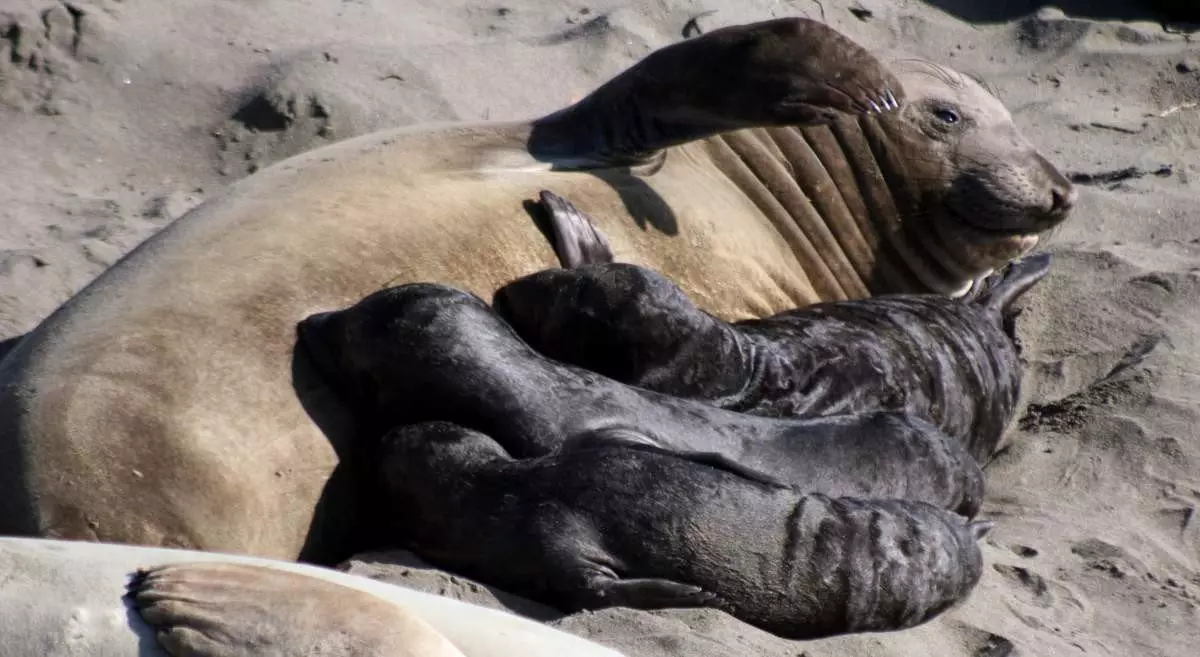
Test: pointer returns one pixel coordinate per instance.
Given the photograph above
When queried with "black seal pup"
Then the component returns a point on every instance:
(423, 352)
(949, 360)
(604, 523)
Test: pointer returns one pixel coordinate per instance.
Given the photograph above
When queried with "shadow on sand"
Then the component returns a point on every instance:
(997, 11)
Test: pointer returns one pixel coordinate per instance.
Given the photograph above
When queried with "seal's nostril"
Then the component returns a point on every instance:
(1063, 199)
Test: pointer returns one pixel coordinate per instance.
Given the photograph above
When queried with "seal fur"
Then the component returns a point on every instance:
(613, 526)
(425, 352)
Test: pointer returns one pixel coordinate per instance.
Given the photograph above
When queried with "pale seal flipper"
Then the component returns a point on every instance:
(240, 610)
(588, 528)
(426, 352)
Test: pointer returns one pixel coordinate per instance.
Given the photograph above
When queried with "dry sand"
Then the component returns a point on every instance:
(117, 116)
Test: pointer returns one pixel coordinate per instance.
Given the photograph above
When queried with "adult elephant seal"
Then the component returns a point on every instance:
(602, 523)
(948, 360)
(108, 600)
(424, 352)
(162, 404)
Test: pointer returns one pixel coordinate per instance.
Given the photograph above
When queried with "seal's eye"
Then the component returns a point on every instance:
(947, 116)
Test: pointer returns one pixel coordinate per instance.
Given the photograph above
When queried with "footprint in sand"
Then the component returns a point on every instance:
(1054, 603)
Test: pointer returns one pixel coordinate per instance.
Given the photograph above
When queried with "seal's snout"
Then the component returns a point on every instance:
(1062, 199)
(507, 302)
(316, 335)
(527, 302)
(981, 528)
(1063, 193)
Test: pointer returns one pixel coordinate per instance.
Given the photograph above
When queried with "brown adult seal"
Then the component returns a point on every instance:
(601, 523)
(172, 380)
(948, 360)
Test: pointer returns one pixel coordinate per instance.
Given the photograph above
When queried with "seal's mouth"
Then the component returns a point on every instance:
(314, 334)
(986, 245)
(964, 222)
(967, 251)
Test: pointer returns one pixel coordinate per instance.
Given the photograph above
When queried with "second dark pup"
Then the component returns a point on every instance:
(603, 523)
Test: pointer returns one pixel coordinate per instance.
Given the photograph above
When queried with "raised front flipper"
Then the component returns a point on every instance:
(577, 241)
(789, 71)
(239, 610)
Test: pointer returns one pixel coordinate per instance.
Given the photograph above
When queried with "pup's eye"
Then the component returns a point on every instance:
(946, 116)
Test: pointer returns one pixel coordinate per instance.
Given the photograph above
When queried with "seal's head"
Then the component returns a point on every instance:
(975, 193)
(607, 318)
(387, 341)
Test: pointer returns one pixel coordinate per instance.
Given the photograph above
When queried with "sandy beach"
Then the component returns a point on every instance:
(116, 117)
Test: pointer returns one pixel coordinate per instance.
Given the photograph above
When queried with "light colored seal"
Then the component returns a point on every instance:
(82, 599)
(171, 379)
(604, 523)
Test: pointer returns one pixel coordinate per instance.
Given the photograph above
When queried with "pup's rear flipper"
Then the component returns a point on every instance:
(577, 241)
(1002, 289)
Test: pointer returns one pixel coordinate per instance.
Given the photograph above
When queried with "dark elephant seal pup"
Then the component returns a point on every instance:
(948, 360)
(424, 352)
(600, 523)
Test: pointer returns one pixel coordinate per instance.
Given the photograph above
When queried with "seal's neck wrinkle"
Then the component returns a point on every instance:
(822, 202)
(881, 215)
(904, 214)
(839, 195)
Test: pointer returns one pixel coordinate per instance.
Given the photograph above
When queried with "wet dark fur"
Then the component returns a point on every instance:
(601, 524)
(947, 360)
(424, 352)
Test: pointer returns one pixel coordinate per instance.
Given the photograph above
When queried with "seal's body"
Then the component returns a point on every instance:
(948, 360)
(424, 352)
(172, 378)
(599, 524)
